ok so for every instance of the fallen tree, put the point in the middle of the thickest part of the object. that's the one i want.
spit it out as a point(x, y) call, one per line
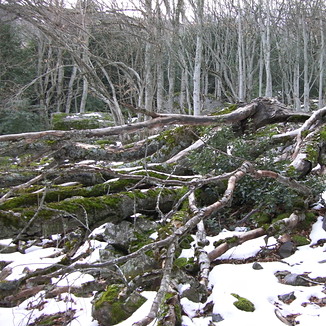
point(234, 167)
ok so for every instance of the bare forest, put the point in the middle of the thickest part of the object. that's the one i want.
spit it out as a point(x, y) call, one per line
point(132, 131)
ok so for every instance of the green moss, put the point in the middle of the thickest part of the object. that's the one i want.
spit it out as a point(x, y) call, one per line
point(165, 307)
point(74, 204)
point(227, 110)
point(218, 243)
point(51, 142)
point(232, 240)
point(311, 218)
point(164, 231)
point(186, 241)
point(281, 217)
point(103, 142)
point(312, 153)
point(300, 240)
point(266, 131)
point(119, 308)
point(243, 303)
point(305, 133)
point(323, 134)
point(128, 146)
point(20, 201)
point(63, 121)
point(261, 218)
point(110, 295)
point(70, 244)
point(180, 262)
point(141, 240)
point(5, 161)
point(9, 219)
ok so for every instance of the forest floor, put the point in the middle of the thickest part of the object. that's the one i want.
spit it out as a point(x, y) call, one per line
point(279, 290)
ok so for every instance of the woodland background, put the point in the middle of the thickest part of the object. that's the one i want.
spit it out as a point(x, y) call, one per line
point(162, 56)
point(131, 132)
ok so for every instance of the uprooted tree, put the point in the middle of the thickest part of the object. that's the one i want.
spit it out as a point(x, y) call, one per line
point(177, 176)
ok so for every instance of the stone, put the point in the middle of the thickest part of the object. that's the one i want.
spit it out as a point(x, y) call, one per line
point(286, 249)
point(287, 297)
point(295, 280)
point(111, 306)
point(217, 318)
point(119, 235)
point(257, 266)
point(138, 266)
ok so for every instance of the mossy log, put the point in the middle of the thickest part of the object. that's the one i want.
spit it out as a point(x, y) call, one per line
point(57, 216)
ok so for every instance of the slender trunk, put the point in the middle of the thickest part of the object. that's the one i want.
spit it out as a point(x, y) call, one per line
point(240, 61)
point(296, 81)
point(266, 44)
point(70, 90)
point(183, 90)
point(171, 78)
point(40, 87)
point(84, 96)
point(188, 93)
point(197, 75)
point(60, 78)
point(149, 89)
point(85, 57)
point(269, 88)
point(321, 67)
point(261, 72)
point(306, 88)
point(160, 83)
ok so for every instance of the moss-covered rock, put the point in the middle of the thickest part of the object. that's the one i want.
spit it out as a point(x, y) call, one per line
point(112, 306)
point(243, 303)
point(91, 120)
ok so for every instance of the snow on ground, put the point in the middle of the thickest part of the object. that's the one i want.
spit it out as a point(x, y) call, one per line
point(261, 287)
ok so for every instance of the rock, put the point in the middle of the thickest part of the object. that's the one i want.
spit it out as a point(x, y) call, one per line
point(324, 223)
point(92, 120)
point(119, 235)
point(195, 293)
point(138, 266)
point(123, 234)
point(286, 249)
point(257, 266)
point(287, 298)
point(113, 306)
point(295, 280)
point(109, 252)
point(217, 318)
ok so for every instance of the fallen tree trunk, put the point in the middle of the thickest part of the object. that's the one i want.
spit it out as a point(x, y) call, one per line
point(261, 111)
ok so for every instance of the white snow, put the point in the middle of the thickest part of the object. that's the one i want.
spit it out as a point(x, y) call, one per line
point(261, 287)
point(34, 258)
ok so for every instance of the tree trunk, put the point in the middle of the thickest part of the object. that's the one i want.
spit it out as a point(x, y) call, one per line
point(197, 75)
point(306, 87)
point(70, 90)
point(321, 67)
